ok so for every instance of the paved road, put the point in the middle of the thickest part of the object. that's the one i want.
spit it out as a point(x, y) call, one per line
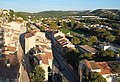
point(64, 68)
point(68, 75)
point(58, 76)
point(23, 72)
point(24, 76)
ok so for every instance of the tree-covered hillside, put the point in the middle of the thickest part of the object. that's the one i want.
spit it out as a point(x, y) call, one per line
point(98, 12)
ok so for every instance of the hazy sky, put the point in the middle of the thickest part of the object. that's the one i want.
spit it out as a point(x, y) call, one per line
point(42, 5)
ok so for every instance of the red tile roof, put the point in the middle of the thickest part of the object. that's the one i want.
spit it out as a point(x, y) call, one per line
point(49, 55)
point(105, 69)
point(29, 35)
point(10, 48)
point(16, 38)
point(43, 42)
point(39, 57)
point(44, 59)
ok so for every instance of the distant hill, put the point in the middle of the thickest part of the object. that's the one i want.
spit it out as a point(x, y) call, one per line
point(56, 13)
point(106, 12)
point(98, 12)
point(49, 13)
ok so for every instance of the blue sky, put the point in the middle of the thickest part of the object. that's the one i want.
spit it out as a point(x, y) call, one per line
point(42, 5)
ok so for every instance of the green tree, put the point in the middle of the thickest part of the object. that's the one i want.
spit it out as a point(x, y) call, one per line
point(11, 17)
point(93, 39)
point(38, 75)
point(100, 32)
point(110, 38)
point(88, 56)
point(107, 53)
point(75, 40)
point(22, 14)
point(118, 32)
point(53, 26)
point(28, 27)
point(77, 25)
point(107, 33)
point(72, 56)
point(42, 28)
point(63, 24)
point(118, 50)
point(83, 41)
point(11, 12)
point(96, 77)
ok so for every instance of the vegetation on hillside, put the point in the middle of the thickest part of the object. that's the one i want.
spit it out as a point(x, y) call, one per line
point(114, 13)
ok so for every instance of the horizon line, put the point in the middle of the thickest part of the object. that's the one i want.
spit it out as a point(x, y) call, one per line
point(59, 10)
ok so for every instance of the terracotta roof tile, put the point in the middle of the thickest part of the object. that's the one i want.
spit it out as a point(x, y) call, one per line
point(29, 35)
point(49, 55)
point(16, 38)
point(39, 57)
point(10, 48)
point(105, 69)
point(44, 59)
point(9, 57)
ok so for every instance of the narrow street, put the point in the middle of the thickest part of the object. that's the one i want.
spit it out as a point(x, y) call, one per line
point(64, 69)
point(60, 66)
point(23, 72)
point(58, 76)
